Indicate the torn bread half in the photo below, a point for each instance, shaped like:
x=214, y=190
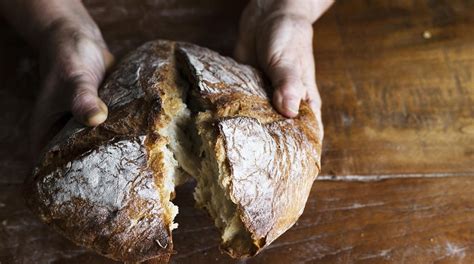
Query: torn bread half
x=108, y=188
x=257, y=167
x=177, y=111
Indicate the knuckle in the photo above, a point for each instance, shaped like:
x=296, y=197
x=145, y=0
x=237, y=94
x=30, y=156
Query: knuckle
x=291, y=86
x=311, y=88
x=81, y=97
x=280, y=60
x=69, y=68
x=80, y=89
x=67, y=72
x=288, y=93
x=284, y=63
x=79, y=76
x=81, y=106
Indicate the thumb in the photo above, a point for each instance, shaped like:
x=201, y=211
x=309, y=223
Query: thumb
x=109, y=59
x=86, y=106
x=288, y=87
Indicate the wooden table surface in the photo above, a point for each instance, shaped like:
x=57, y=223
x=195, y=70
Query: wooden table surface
x=398, y=107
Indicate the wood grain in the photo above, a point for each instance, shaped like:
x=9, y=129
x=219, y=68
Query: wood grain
x=394, y=101
x=126, y=24
x=395, y=105
x=392, y=221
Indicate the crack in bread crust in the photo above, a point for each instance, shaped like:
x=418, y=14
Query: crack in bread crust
x=102, y=188
x=178, y=110
x=262, y=165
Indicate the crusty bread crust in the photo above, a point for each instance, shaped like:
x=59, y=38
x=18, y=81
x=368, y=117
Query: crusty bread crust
x=109, y=188
x=267, y=163
x=101, y=187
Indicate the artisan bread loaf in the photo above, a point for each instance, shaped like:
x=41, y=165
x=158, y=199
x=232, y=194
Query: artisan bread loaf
x=257, y=166
x=177, y=111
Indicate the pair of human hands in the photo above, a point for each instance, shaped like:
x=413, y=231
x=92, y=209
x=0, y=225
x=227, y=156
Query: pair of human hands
x=275, y=35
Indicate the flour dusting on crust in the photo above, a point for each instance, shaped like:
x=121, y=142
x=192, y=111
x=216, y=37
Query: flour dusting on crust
x=103, y=176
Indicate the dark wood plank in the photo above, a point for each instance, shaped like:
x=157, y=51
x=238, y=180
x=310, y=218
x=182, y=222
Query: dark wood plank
x=392, y=221
x=395, y=102
x=24, y=239
x=127, y=24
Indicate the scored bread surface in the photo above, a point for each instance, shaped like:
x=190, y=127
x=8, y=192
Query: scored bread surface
x=266, y=163
x=102, y=187
x=178, y=110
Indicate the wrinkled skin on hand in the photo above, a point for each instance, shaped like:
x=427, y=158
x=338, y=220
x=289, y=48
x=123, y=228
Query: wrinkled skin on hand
x=277, y=36
x=73, y=61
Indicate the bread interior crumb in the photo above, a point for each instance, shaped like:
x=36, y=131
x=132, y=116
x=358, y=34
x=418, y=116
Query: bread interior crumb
x=190, y=152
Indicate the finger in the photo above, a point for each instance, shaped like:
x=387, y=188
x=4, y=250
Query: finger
x=109, y=59
x=288, y=87
x=86, y=106
x=312, y=93
x=281, y=39
x=309, y=82
x=314, y=101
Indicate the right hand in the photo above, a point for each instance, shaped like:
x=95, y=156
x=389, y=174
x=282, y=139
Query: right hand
x=277, y=36
x=73, y=62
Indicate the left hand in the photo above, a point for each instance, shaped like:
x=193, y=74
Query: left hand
x=277, y=36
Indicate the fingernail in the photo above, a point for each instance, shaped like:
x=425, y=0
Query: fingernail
x=291, y=105
x=99, y=116
x=109, y=59
x=102, y=106
x=96, y=118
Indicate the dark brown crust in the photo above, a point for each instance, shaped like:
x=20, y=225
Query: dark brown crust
x=273, y=161
x=132, y=93
x=101, y=187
